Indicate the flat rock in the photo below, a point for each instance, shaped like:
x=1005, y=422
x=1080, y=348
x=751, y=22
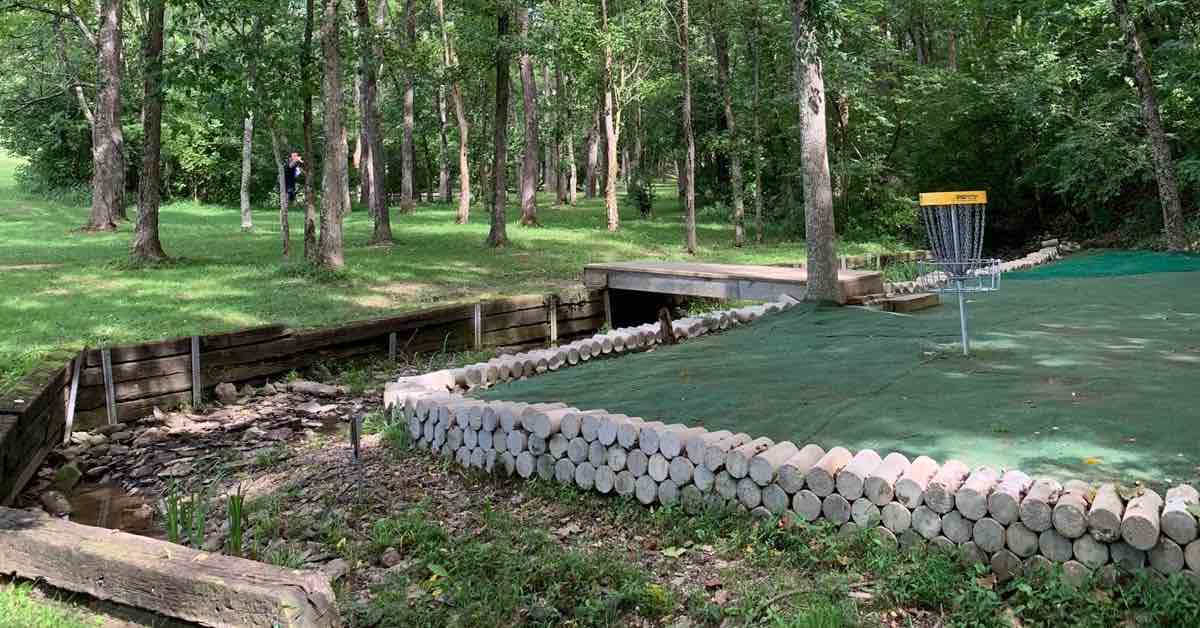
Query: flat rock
x=316, y=389
x=226, y=393
x=56, y=503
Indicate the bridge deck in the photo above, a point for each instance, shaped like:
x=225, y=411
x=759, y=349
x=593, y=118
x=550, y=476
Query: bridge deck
x=724, y=281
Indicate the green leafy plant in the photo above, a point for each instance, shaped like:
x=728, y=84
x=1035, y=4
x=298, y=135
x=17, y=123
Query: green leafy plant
x=237, y=519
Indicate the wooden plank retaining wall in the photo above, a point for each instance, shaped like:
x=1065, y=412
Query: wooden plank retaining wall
x=143, y=376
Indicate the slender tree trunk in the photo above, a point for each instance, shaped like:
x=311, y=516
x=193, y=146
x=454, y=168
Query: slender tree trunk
x=361, y=152
x=952, y=51
x=758, y=180
x=406, y=144
x=108, y=164
x=310, y=200
x=610, y=130
x=1164, y=165
x=443, y=147
x=592, y=142
x=814, y=157
x=247, y=153
x=248, y=132
x=334, y=166
x=146, y=245
x=277, y=144
x=498, y=236
x=372, y=137
x=689, y=138
x=529, y=161
x=564, y=131
x=554, y=146
x=635, y=161
x=721, y=46
x=450, y=60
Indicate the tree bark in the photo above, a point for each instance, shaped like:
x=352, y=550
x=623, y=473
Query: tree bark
x=1164, y=165
x=689, y=138
x=592, y=143
x=498, y=236
x=310, y=201
x=248, y=133
x=721, y=46
x=443, y=147
x=572, y=182
x=277, y=144
x=146, y=245
x=554, y=177
x=361, y=151
x=610, y=130
x=952, y=51
x=814, y=157
x=108, y=177
x=450, y=60
x=334, y=164
x=529, y=161
x=373, y=163
x=247, y=152
x=406, y=143
x=758, y=181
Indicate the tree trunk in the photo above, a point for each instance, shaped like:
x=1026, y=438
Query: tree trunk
x=721, y=44
x=1164, y=165
x=689, y=138
x=247, y=152
x=277, y=144
x=529, y=161
x=333, y=166
x=758, y=181
x=814, y=158
x=407, y=150
x=952, y=51
x=554, y=146
x=443, y=147
x=146, y=245
x=498, y=236
x=310, y=201
x=368, y=97
x=108, y=164
x=563, y=130
x=450, y=60
x=248, y=131
x=610, y=130
x=361, y=151
x=635, y=161
x=592, y=142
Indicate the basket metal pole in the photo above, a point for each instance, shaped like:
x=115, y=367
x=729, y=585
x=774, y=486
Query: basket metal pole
x=962, y=307
x=962, y=319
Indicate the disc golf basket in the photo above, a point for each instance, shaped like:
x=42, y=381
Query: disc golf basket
x=954, y=222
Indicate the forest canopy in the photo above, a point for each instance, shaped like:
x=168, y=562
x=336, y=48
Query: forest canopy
x=1035, y=101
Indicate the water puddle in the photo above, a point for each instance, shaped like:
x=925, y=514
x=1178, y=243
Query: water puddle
x=109, y=506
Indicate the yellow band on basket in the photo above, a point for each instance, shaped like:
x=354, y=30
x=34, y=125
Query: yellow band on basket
x=953, y=198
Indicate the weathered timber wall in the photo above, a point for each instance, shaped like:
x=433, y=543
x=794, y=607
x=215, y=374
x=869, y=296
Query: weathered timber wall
x=146, y=375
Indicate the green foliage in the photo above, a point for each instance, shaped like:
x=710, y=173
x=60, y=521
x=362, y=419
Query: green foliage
x=485, y=578
x=185, y=517
x=235, y=511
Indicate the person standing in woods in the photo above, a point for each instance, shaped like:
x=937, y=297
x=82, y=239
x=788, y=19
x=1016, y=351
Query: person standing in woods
x=291, y=172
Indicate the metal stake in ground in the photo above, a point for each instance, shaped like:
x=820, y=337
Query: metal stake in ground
x=356, y=434
x=954, y=222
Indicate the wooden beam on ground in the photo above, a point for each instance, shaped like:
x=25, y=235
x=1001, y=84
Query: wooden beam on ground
x=722, y=281
x=169, y=579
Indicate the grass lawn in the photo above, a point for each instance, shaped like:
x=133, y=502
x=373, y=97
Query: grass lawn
x=21, y=606
x=63, y=289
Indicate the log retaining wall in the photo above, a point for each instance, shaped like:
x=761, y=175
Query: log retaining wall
x=126, y=382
